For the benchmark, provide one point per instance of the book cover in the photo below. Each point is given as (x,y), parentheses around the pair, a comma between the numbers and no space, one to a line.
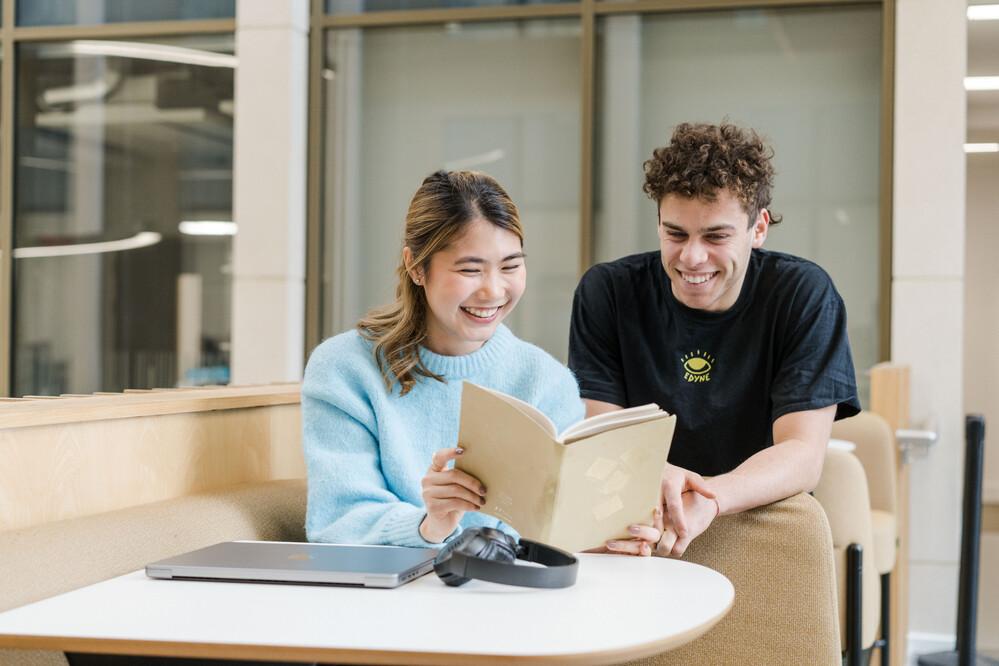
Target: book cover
(574,490)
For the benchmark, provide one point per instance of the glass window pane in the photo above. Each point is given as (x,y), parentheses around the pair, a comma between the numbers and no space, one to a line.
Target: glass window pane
(122,163)
(361,6)
(91,12)
(808,80)
(400,103)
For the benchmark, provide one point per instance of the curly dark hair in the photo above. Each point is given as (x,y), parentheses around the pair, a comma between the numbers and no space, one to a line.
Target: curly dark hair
(702,159)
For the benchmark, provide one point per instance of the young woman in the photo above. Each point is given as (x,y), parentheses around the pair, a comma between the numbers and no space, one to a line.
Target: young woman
(381,402)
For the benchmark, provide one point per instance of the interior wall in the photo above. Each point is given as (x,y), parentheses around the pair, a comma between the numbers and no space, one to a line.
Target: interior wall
(928,287)
(981,361)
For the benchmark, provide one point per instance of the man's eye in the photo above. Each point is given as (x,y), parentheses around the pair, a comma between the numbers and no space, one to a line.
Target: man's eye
(510,268)
(717,238)
(676,234)
(470,271)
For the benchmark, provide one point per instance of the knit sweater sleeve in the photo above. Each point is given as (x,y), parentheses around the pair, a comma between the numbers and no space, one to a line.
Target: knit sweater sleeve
(348,499)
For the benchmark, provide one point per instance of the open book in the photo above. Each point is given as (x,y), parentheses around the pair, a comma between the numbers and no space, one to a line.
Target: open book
(575,489)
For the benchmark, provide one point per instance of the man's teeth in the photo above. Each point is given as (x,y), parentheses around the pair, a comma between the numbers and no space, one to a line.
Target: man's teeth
(697,279)
(483,313)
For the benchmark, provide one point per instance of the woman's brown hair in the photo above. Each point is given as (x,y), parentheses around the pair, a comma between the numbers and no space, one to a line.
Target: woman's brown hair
(441,210)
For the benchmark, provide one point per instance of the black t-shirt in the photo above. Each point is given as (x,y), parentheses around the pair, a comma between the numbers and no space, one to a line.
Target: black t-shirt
(727,376)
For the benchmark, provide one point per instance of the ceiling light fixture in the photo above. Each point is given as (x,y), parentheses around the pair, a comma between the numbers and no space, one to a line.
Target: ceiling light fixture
(144,51)
(207,228)
(983,13)
(981,83)
(981,147)
(141,239)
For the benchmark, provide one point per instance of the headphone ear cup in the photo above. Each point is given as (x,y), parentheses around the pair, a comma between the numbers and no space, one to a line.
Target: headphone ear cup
(484,543)
(497,546)
(442,562)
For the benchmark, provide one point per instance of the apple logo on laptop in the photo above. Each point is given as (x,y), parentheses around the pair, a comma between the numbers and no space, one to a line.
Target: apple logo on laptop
(300,556)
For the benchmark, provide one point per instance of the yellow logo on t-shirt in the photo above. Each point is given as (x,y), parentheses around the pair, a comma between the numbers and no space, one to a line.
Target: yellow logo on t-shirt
(697,366)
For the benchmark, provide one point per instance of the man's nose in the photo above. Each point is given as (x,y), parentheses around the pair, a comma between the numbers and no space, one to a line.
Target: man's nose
(693,254)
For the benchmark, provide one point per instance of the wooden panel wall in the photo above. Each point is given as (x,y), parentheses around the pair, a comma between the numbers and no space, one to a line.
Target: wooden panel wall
(63,470)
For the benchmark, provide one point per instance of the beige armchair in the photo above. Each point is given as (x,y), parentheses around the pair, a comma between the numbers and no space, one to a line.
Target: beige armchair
(842,492)
(876,450)
(779,558)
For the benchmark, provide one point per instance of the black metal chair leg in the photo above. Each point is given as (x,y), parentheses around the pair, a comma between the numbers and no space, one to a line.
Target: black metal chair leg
(885,619)
(854,604)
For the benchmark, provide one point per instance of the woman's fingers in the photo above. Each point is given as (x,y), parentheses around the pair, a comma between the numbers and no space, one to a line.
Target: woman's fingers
(645,533)
(454,476)
(441,457)
(440,507)
(453,491)
(630,547)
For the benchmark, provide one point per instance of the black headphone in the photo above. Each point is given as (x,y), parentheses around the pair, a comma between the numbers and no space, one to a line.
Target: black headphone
(488,554)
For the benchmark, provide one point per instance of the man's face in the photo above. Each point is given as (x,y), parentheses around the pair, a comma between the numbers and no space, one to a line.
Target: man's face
(705,247)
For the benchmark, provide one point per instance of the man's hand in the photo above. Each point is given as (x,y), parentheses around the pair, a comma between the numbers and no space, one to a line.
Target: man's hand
(698,512)
(448,494)
(675,482)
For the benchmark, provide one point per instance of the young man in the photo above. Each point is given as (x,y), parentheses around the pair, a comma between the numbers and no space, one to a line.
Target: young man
(747,347)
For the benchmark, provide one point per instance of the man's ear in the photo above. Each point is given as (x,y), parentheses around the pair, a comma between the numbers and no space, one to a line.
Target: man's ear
(415,273)
(760,227)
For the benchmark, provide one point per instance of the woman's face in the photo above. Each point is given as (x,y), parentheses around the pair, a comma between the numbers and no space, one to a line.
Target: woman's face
(471,286)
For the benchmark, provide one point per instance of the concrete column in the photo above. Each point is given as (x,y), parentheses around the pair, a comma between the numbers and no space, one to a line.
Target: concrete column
(271,89)
(928,292)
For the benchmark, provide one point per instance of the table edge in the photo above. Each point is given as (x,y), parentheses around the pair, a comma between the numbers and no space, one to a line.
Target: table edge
(278,652)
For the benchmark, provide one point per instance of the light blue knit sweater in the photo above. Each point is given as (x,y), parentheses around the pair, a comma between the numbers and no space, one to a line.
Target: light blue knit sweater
(366,450)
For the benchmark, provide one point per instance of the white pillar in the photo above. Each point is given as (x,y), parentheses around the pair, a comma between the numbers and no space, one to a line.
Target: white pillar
(928,289)
(269,164)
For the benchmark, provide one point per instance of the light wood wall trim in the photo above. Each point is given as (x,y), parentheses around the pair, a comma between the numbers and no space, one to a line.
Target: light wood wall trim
(27,413)
(63,471)
(890,399)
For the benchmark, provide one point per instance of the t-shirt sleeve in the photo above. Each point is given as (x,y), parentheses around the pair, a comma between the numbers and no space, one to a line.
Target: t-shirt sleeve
(594,347)
(816,366)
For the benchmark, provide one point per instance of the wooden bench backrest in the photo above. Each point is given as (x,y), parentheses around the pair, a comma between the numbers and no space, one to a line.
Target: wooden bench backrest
(75,456)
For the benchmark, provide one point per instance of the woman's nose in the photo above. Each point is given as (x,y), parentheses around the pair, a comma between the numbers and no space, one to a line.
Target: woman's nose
(492,286)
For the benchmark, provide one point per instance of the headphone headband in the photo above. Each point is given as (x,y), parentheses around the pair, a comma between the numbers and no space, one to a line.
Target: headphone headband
(455,566)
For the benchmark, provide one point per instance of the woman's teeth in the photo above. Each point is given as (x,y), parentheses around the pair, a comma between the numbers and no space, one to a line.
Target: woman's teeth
(481,313)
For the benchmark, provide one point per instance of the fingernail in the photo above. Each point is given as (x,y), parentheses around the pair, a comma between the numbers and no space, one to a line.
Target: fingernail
(482,490)
(482,500)
(634,529)
(613,544)
(459,450)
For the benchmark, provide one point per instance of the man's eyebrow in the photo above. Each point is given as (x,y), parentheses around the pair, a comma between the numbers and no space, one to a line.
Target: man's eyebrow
(706,230)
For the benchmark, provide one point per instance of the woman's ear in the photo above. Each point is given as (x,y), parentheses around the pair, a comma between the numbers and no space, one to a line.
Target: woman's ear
(415,273)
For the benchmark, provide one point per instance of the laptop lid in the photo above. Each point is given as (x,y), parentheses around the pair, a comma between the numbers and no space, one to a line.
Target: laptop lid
(288,562)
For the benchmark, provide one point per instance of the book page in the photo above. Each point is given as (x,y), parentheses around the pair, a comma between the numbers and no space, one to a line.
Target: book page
(608,421)
(527,408)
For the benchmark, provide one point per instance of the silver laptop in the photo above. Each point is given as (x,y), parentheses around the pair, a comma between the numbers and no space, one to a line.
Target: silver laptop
(309,563)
